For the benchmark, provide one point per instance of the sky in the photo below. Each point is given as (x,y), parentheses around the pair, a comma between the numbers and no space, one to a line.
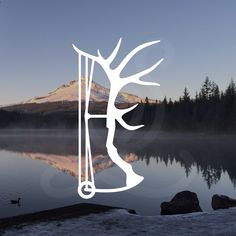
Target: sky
(198,39)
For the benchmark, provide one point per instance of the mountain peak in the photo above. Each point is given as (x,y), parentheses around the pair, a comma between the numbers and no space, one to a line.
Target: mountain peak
(69,92)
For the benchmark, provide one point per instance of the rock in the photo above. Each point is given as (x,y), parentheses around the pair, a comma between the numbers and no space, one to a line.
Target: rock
(182,203)
(131,211)
(222,202)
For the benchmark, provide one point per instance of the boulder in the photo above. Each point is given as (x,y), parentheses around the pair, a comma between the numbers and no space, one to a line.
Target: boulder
(222,202)
(182,203)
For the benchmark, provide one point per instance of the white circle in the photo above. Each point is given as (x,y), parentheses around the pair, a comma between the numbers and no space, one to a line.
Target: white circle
(90,189)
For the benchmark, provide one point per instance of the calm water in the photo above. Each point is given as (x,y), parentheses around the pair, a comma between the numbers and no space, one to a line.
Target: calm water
(41,168)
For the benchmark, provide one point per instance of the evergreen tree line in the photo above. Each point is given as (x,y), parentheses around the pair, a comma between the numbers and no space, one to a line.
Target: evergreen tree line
(12,119)
(210,110)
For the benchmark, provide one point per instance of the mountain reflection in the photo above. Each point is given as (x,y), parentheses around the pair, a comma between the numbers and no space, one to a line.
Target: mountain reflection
(69,163)
(212,155)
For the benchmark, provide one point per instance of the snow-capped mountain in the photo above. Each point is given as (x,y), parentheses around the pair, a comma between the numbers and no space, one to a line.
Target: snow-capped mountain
(69,92)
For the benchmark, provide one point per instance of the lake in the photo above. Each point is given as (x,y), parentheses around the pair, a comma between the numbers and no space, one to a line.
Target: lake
(40,166)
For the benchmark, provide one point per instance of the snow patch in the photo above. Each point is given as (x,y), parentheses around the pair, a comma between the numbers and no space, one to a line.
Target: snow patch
(69,92)
(120,222)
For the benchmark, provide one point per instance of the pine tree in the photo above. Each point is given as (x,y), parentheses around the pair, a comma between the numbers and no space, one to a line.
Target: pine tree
(205,89)
(231,89)
(215,92)
(186,96)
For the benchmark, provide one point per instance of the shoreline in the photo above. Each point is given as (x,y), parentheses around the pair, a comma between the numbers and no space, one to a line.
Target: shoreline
(91,219)
(67,212)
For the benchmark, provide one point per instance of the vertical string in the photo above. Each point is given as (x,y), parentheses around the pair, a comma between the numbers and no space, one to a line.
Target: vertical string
(86,120)
(91,77)
(79,118)
(89,147)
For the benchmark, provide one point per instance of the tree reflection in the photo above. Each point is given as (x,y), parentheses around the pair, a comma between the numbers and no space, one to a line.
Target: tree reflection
(210,155)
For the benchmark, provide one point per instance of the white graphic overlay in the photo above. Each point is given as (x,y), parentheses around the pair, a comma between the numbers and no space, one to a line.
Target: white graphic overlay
(87,188)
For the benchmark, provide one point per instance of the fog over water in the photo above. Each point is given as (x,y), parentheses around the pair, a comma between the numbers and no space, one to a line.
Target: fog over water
(41,168)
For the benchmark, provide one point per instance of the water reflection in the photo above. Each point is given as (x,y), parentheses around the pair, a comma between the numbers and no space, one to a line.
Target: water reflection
(211,155)
(169,162)
(68,163)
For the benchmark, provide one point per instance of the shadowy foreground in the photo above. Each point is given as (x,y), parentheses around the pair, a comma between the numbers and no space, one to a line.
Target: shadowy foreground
(89,219)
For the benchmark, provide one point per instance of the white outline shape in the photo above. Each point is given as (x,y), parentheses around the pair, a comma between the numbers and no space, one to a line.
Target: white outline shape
(113,114)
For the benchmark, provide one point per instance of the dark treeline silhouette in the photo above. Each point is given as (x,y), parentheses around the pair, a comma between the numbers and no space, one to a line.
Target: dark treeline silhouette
(210,110)
(11,119)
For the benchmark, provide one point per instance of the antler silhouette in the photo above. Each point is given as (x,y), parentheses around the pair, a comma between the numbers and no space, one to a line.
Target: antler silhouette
(115,78)
(114,114)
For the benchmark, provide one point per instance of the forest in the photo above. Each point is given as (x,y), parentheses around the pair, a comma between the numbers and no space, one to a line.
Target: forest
(14,119)
(211,110)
